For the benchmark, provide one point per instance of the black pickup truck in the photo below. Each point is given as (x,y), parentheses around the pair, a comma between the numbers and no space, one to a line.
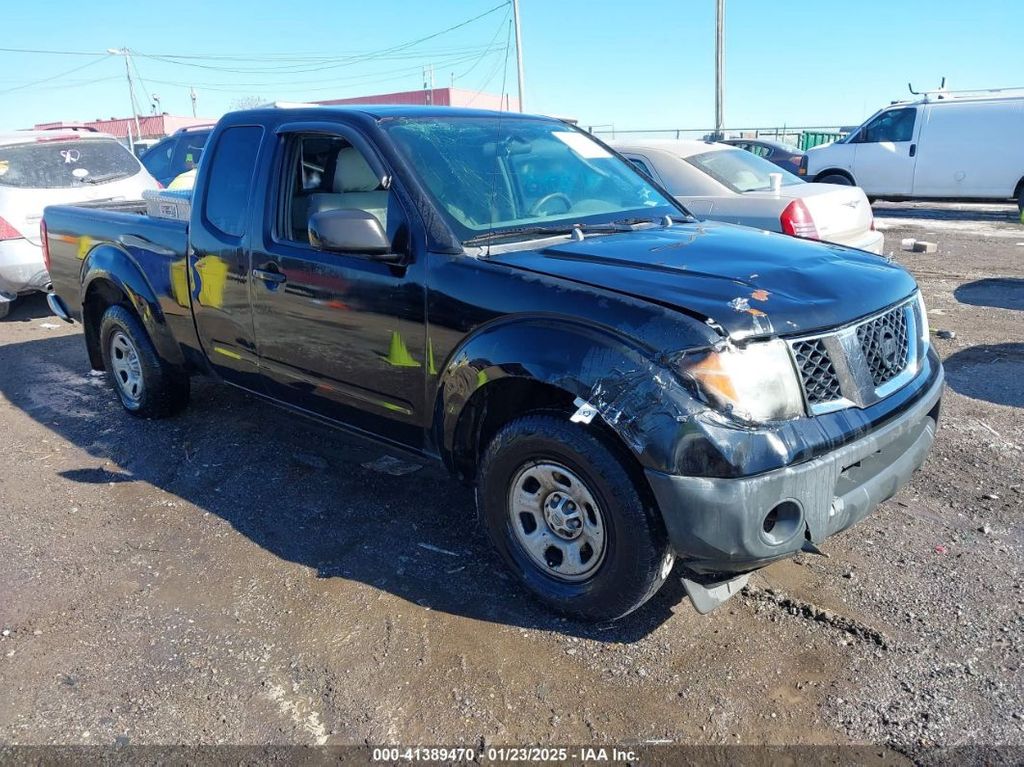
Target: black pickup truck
(624,385)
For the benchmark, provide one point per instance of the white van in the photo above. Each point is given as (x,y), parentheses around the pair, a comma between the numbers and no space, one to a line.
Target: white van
(966,145)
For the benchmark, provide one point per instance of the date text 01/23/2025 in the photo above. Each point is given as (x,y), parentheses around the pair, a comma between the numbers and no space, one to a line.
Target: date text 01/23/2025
(500,754)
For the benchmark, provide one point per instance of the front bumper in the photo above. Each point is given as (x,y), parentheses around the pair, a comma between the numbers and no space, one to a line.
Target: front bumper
(21,268)
(717,525)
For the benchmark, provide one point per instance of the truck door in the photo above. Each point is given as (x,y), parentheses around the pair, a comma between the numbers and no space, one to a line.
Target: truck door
(886,152)
(339,334)
(219,270)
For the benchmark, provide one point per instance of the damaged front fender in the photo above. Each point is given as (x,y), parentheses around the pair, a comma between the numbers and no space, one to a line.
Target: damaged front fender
(629,386)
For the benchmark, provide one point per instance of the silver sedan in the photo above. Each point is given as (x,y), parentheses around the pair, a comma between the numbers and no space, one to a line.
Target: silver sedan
(723,183)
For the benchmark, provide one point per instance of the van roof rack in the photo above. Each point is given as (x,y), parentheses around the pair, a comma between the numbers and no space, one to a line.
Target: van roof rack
(942,92)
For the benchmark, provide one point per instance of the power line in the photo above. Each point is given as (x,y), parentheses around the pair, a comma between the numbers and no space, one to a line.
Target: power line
(494,71)
(497,32)
(337,61)
(54,77)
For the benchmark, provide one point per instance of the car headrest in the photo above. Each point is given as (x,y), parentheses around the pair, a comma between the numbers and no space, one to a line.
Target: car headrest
(353,174)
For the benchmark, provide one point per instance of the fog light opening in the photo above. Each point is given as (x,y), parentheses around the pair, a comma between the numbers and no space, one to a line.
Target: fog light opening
(782,522)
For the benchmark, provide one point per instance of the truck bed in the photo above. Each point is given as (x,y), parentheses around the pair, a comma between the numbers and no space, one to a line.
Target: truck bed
(157,246)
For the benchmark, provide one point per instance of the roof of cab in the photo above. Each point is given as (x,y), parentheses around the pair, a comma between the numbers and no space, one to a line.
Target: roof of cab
(381,111)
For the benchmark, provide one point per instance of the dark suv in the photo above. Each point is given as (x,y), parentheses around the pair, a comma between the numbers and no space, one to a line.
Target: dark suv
(176,154)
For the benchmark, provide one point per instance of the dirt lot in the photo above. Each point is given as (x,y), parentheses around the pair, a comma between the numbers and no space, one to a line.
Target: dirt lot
(231,577)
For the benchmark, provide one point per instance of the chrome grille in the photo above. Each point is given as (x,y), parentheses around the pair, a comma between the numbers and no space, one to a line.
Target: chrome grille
(884,341)
(860,364)
(817,373)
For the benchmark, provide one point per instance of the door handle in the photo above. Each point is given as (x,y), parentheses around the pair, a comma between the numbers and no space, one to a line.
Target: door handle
(269,276)
(913,149)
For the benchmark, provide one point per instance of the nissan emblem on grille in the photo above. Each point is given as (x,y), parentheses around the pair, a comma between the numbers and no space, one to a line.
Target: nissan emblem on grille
(858,364)
(884,342)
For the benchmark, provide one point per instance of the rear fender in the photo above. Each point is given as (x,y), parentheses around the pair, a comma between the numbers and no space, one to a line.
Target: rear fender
(632,391)
(113,265)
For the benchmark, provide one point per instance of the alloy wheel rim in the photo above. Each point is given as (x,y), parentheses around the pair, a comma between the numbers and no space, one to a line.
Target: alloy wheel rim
(126,367)
(556,520)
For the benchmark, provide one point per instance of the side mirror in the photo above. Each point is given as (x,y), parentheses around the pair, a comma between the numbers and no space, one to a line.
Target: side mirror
(350,230)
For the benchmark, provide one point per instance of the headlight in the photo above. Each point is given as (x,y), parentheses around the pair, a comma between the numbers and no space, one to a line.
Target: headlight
(922,317)
(757,383)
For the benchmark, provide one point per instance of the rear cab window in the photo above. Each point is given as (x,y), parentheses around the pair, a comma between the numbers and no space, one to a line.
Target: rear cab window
(57,164)
(230,179)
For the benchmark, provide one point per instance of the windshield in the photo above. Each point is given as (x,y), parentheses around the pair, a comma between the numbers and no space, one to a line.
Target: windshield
(60,164)
(490,173)
(740,171)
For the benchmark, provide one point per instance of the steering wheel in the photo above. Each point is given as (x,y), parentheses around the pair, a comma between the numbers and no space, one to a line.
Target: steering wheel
(539,205)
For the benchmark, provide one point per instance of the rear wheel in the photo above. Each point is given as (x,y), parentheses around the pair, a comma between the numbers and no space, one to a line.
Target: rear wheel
(568,519)
(147,386)
(1020,201)
(835,178)
(5,308)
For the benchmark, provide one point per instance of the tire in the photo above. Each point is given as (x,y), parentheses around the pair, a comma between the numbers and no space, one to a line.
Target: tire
(835,178)
(1020,202)
(147,386)
(5,308)
(629,556)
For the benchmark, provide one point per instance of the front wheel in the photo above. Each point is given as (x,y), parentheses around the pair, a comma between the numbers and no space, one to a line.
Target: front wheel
(5,308)
(1020,203)
(147,386)
(568,518)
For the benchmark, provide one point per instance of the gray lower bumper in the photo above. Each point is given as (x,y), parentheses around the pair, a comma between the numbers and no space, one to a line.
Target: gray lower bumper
(718,525)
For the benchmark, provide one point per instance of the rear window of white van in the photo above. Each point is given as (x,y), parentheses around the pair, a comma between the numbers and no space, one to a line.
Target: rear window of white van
(62,164)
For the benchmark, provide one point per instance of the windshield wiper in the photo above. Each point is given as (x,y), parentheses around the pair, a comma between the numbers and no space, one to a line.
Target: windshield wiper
(102,179)
(625,225)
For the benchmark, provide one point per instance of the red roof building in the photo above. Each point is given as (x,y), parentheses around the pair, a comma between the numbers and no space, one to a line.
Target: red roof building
(153,126)
(442,97)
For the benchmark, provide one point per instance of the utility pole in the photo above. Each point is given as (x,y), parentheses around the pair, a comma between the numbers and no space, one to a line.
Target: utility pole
(131,88)
(719,69)
(192,95)
(519,51)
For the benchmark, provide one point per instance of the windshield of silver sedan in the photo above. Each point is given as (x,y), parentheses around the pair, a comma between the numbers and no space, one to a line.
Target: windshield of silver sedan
(495,176)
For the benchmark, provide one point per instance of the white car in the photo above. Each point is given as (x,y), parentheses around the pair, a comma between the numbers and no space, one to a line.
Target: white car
(40,168)
(723,183)
(945,145)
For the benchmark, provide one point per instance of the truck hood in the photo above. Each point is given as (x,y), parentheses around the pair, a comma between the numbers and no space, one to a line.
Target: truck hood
(749,282)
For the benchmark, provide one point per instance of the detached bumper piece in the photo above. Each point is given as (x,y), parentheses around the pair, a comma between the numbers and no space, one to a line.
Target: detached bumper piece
(729,526)
(57,307)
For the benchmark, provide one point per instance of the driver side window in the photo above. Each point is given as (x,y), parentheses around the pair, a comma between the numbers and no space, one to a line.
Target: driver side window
(328,173)
(894,125)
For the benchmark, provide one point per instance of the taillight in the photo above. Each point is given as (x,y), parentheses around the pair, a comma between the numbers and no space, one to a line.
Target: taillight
(8,232)
(802,169)
(796,221)
(45,244)
(872,223)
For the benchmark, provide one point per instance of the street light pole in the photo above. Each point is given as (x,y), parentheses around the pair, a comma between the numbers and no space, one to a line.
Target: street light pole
(519,50)
(131,89)
(719,68)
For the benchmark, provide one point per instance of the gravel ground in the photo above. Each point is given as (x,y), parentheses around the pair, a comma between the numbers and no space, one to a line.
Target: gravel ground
(232,576)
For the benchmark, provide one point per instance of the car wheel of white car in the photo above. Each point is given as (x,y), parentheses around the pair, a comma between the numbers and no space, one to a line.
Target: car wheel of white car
(835,178)
(5,308)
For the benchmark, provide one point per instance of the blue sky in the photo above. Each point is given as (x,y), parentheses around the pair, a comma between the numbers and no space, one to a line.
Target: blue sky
(645,64)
